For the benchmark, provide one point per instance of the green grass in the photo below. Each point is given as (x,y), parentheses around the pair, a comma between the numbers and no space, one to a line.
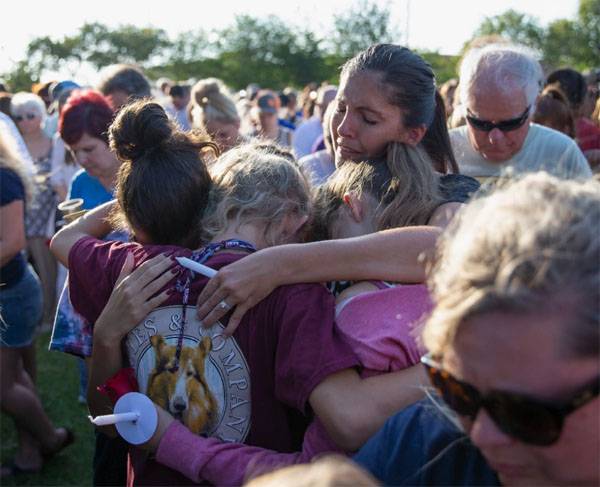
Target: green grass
(58,385)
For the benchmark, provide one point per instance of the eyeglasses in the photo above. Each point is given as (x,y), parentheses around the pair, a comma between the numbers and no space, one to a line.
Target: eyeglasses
(28,116)
(524,418)
(504,125)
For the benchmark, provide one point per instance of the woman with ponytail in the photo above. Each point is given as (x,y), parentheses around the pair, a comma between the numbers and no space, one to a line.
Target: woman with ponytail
(214,112)
(388,112)
(162,189)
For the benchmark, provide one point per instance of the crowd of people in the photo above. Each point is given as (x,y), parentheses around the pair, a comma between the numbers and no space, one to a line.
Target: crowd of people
(408,277)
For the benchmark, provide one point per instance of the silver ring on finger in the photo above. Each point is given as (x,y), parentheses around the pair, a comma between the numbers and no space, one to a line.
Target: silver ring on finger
(224,305)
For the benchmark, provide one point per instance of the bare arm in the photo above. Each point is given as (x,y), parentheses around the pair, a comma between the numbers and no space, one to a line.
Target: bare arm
(392,255)
(12,231)
(93,224)
(353,409)
(131,300)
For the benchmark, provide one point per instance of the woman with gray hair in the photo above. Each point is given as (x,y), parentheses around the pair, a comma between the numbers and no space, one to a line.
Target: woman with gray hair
(514,345)
(29,112)
(499,85)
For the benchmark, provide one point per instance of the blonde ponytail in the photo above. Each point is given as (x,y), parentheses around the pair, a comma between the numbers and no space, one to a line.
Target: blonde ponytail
(414,192)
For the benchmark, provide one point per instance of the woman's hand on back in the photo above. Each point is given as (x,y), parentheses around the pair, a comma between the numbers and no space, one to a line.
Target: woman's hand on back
(238,286)
(134,296)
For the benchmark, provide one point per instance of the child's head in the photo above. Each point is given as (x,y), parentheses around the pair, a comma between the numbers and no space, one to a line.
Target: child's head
(325,471)
(163,183)
(349,203)
(261,186)
(363,198)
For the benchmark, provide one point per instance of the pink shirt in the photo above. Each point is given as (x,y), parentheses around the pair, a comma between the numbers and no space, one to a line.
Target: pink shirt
(380,326)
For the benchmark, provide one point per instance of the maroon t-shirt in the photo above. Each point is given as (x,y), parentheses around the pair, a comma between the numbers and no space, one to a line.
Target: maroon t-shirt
(289,339)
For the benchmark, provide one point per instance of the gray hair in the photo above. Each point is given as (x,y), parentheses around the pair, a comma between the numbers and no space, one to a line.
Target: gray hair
(504,67)
(24,101)
(126,78)
(529,247)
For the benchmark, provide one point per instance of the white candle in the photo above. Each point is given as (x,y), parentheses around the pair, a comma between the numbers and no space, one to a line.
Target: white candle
(196,267)
(115,418)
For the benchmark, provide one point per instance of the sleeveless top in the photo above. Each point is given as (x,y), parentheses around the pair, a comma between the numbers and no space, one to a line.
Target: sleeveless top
(43,205)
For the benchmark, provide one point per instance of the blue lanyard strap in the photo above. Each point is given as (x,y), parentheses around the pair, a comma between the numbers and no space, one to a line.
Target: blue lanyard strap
(183,286)
(205,253)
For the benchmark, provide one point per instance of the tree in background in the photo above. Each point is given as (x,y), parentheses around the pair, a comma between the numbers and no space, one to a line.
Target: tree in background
(564,42)
(266,51)
(274,54)
(517,27)
(360,26)
(98,45)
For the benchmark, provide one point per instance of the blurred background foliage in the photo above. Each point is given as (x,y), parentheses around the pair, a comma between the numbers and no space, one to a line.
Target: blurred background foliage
(272,53)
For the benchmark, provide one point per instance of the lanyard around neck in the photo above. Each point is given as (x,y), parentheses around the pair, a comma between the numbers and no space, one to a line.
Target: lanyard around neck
(183,285)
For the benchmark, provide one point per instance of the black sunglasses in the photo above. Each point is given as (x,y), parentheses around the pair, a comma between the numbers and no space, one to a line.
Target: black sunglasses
(28,116)
(504,125)
(524,418)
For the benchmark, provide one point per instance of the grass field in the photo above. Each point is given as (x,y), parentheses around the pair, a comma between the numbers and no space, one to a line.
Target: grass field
(57,382)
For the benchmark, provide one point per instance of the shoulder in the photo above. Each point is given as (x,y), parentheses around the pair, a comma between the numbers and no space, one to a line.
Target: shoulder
(544,135)
(309,292)
(79,184)
(458,135)
(550,141)
(420,446)
(561,154)
(310,125)
(318,167)
(80,178)
(457,187)
(403,442)
(88,247)
(9,177)
(11,186)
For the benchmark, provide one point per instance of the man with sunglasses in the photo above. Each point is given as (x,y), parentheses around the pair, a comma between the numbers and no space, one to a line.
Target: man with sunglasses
(514,347)
(498,88)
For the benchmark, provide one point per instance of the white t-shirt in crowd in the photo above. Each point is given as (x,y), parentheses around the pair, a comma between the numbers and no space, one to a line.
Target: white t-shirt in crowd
(544,149)
(318,167)
(305,135)
(61,173)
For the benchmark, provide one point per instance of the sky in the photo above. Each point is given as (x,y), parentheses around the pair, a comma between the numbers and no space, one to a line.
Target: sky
(440,25)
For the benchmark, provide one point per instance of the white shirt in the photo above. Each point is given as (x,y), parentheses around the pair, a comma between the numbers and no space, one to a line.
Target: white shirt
(318,167)
(544,149)
(305,136)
